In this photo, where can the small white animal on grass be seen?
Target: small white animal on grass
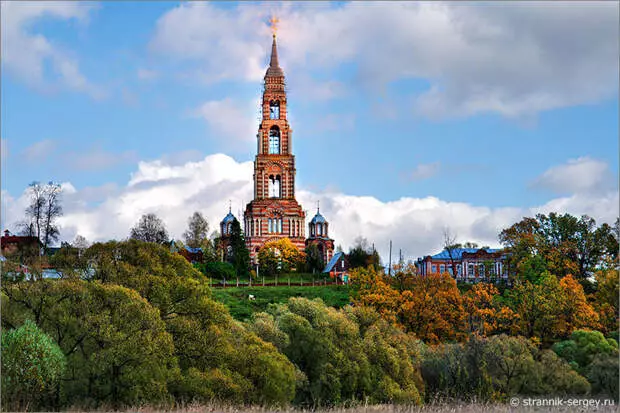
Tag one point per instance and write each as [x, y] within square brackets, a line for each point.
[251, 297]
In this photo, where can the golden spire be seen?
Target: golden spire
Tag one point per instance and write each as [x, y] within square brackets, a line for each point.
[273, 22]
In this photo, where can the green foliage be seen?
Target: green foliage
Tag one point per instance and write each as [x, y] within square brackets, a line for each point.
[240, 258]
[314, 259]
[344, 355]
[220, 271]
[566, 245]
[495, 368]
[362, 255]
[584, 346]
[594, 356]
[116, 346]
[32, 364]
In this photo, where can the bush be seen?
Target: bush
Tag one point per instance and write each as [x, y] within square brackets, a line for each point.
[343, 355]
[32, 364]
[220, 270]
[495, 368]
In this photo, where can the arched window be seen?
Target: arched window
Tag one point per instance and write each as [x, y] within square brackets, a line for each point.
[274, 109]
[269, 228]
[319, 230]
[275, 187]
[274, 140]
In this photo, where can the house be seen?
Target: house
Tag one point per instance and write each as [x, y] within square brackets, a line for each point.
[472, 264]
[338, 267]
[11, 244]
[192, 255]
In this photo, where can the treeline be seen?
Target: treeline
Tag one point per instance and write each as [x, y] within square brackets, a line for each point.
[131, 323]
[138, 325]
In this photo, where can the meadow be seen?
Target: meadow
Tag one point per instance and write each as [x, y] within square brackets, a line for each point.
[241, 307]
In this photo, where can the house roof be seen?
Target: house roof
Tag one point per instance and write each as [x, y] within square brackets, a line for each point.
[457, 253]
[332, 263]
[193, 250]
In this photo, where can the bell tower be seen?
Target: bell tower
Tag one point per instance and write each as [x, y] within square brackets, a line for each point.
[274, 212]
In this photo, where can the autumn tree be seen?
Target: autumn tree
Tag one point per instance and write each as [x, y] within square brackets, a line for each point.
[150, 228]
[607, 298]
[279, 256]
[485, 314]
[552, 308]
[566, 244]
[429, 306]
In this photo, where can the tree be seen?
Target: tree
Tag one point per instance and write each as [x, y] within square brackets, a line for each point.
[116, 344]
[279, 256]
[567, 244]
[42, 212]
[343, 355]
[450, 245]
[150, 228]
[240, 258]
[32, 364]
[197, 231]
[552, 308]
[314, 259]
[362, 255]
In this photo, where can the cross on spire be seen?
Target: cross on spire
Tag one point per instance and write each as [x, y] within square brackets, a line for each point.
[229, 206]
[273, 23]
[318, 206]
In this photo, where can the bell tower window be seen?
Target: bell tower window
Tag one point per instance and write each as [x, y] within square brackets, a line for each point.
[275, 187]
[274, 140]
[274, 109]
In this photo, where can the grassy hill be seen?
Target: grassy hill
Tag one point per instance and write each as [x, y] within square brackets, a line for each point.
[236, 299]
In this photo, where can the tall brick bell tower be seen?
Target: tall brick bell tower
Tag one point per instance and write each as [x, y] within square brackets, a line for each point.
[274, 212]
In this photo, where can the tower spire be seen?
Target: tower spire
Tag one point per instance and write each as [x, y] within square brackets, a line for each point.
[274, 65]
[229, 206]
[318, 206]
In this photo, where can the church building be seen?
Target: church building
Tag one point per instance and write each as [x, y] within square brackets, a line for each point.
[274, 213]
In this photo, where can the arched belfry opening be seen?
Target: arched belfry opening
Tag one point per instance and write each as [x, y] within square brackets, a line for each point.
[274, 140]
[275, 186]
[274, 109]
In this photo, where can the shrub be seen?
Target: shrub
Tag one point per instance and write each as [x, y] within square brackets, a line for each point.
[32, 364]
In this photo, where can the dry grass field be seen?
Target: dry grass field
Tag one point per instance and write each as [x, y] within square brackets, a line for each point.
[432, 408]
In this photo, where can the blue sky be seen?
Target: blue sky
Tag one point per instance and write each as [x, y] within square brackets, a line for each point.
[494, 107]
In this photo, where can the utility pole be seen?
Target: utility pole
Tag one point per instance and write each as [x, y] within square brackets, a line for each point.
[390, 265]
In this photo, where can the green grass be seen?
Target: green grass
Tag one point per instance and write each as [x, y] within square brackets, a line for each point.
[241, 308]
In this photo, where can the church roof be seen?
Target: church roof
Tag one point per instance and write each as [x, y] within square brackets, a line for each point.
[274, 66]
[318, 219]
[228, 218]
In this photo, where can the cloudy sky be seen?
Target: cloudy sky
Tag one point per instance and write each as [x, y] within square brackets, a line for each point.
[408, 117]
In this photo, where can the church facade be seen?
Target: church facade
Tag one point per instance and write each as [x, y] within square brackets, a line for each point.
[274, 213]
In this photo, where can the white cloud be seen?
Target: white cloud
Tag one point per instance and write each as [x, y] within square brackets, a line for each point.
[512, 59]
[38, 151]
[581, 175]
[424, 171]
[174, 192]
[25, 53]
